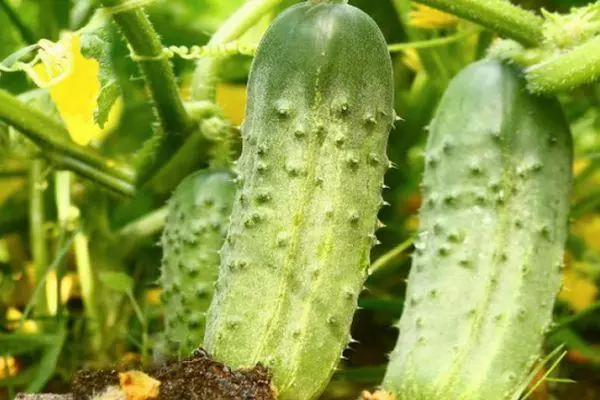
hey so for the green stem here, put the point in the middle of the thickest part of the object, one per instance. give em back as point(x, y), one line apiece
point(62, 199)
point(62, 195)
point(574, 68)
point(573, 341)
point(52, 138)
point(86, 279)
point(197, 148)
point(15, 173)
point(564, 322)
point(498, 15)
point(26, 33)
point(94, 173)
point(37, 229)
point(147, 225)
point(40, 286)
point(585, 204)
point(157, 71)
point(390, 256)
point(47, 22)
point(144, 324)
point(206, 73)
point(424, 44)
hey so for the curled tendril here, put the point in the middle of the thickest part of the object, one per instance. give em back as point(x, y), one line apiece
point(56, 58)
point(126, 6)
point(197, 52)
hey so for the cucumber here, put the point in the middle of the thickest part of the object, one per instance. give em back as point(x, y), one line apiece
point(198, 214)
point(493, 224)
point(320, 108)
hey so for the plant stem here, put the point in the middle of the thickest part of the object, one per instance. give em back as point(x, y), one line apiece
point(14, 173)
point(159, 77)
point(147, 225)
point(86, 279)
point(498, 15)
point(94, 173)
point(62, 195)
point(424, 44)
point(206, 73)
point(26, 33)
point(62, 199)
point(196, 150)
point(47, 23)
point(37, 230)
point(39, 286)
point(574, 68)
point(564, 322)
point(52, 138)
point(390, 256)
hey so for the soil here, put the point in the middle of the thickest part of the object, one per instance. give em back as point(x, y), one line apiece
point(88, 383)
point(195, 377)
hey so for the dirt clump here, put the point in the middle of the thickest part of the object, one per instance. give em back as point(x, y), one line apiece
point(195, 377)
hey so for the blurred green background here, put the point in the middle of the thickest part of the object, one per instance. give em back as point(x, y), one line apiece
point(104, 234)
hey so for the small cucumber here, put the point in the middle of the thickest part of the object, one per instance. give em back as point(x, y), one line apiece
point(198, 214)
point(320, 108)
point(493, 225)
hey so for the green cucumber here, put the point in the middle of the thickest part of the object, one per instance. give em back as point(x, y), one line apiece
point(198, 214)
point(320, 108)
point(493, 225)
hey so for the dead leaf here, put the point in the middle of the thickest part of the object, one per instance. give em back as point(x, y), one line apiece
point(138, 386)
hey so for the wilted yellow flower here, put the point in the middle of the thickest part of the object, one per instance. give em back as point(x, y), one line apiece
point(74, 86)
point(429, 18)
point(138, 386)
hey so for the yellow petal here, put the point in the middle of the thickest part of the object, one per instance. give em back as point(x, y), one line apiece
point(429, 18)
point(578, 291)
point(153, 296)
point(232, 100)
point(410, 57)
point(14, 317)
point(66, 287)
point(75, 93)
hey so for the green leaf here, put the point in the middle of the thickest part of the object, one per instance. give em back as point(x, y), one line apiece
point(96, 44)
point(117, 281)
point(47, 366)
point(19, 343)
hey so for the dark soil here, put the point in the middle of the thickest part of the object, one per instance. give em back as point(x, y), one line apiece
point(195, 377)
point(88, 383)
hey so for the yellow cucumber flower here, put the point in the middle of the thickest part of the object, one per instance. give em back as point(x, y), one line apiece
point(74, 86)
point(429, 18)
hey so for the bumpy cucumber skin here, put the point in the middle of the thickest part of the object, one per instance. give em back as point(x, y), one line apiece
point(195, 230)
point(320, 108)
point(493, 225)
